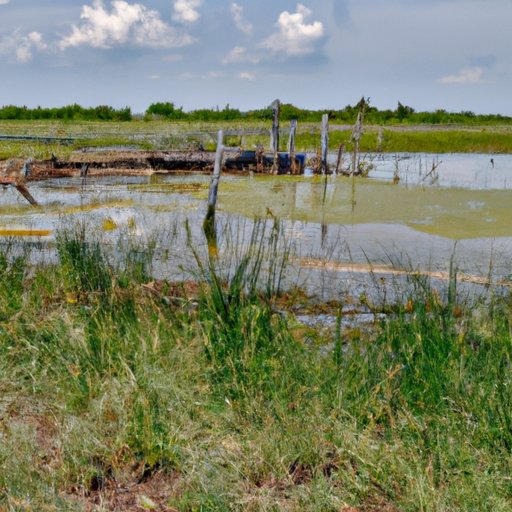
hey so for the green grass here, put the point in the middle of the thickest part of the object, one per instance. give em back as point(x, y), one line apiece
point(215, 400)
point(191, 135)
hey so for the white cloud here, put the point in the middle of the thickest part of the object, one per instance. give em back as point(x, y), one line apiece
point(295, 37)
point(22, 46)
point(247, 76)
point(154, 77)
point(132, 24)
point(239, 54)
point(4, 2)
point(185, 11)
point(472, 75)
point(238, 16)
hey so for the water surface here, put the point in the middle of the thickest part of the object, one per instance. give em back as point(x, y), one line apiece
point(460, 211)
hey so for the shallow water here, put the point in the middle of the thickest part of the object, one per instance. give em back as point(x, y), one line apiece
point(462, 213)
point(454, 170)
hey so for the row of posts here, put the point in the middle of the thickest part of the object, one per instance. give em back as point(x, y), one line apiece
point(324, 145)
point(209, 225)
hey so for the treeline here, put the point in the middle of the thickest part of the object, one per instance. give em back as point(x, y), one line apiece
point(403, 114)
point(67, 113)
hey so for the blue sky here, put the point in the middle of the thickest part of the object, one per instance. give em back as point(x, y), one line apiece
point(429, 54)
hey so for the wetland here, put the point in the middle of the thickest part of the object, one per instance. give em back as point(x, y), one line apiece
point(346, 348)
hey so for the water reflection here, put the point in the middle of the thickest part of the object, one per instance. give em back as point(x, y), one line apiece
point(473, 171)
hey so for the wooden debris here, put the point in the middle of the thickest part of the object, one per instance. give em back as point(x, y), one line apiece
point(23, 190)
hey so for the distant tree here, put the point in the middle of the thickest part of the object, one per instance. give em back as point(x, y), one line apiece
point(165, 110)
point(403, 111)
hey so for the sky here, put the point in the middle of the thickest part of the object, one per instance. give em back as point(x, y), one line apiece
point(428, 54)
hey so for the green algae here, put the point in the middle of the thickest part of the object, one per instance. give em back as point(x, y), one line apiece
point(449, 212)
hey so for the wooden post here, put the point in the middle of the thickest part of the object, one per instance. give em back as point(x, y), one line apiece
point(356, 137)
point(83, 173)
point(274, 135)
point(260, 153)
point(209, 228)
point(357, 133)
point(25, 171)
point(291, 146)
point(325, 142)
point(340, 156)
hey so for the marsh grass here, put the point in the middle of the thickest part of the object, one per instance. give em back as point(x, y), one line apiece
point(213, 399)
point(161, 135)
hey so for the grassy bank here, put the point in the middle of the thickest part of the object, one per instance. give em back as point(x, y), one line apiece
point(186, 135)
point(119, 392)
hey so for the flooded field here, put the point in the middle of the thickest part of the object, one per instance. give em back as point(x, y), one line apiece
point(442, 208)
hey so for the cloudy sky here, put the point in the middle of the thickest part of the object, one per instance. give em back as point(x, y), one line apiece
point(429, 54)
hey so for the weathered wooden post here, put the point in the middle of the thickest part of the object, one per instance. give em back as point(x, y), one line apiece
point(340, 156)
point(209, 228)
point(291, 146)
point(25, 171)
point(274, 135)
point(325, 142)
point(83, 173)
point(356, 137)
point(357, 133)
point(260, 153)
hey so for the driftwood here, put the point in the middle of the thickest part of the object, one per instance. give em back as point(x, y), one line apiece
point(16, 174)
point(23, 190)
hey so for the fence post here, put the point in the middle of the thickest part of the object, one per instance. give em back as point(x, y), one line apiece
point(340, 156)
point(209, 227)
point(291, 146)
point(274, 135)
point(356, 137)
point(325, 142)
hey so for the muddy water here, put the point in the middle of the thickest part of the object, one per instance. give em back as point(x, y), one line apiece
point(461, 211)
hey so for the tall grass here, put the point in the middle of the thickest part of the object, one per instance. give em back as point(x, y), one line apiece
point(217, 399)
